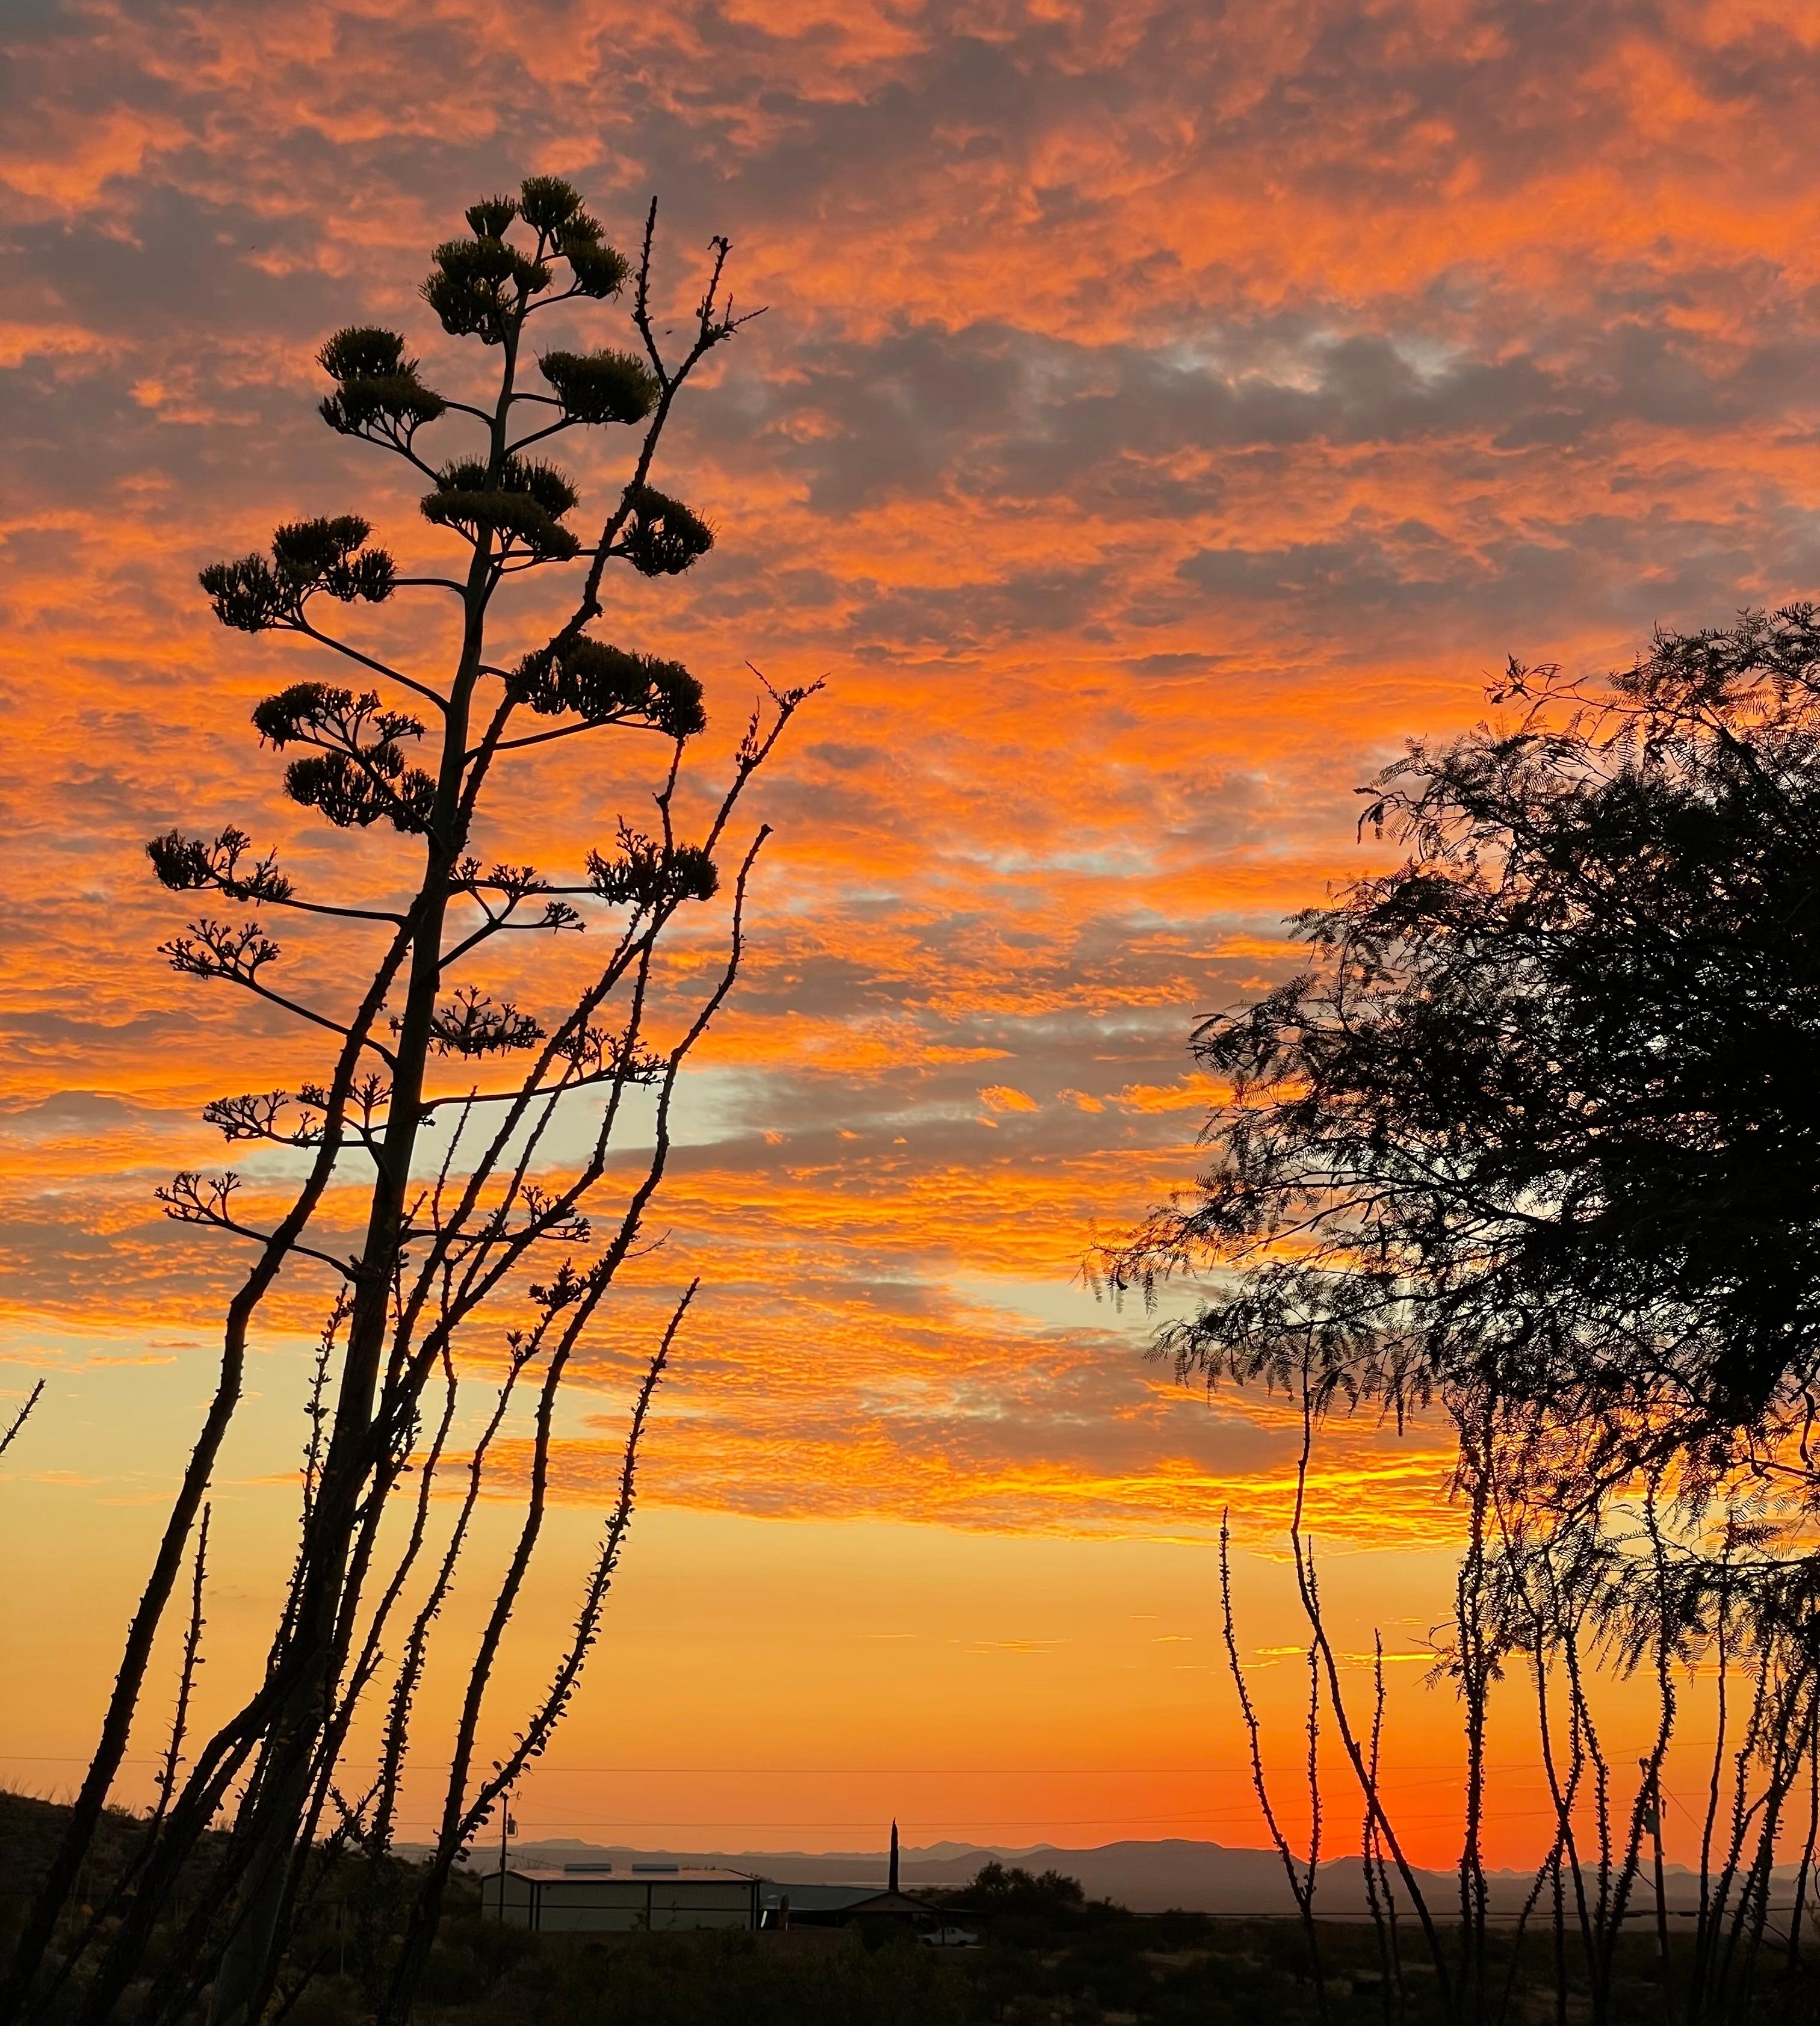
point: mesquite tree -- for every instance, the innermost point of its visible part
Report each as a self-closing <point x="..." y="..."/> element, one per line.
<point x="436" y="1099"/>
<point x="1539" y="1114"/>
<point x="1534" y="1137"/>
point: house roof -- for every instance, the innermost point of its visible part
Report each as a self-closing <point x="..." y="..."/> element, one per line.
<point x="840" y="1898"/>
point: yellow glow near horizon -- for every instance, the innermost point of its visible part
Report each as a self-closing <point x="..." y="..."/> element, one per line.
<point x="1158" y="418"/>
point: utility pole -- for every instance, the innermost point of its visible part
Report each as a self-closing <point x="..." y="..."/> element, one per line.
<point x="508" y="1829"/>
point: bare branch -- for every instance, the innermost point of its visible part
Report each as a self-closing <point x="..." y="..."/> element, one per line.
<point x="166" y="1778"/>
<point x="18" y="1421"/>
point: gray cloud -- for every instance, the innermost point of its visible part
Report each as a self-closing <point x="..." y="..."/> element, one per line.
<point x="1132" y="433"/>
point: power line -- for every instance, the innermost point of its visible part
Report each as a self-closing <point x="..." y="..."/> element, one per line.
<point x="1438" y="1770"/>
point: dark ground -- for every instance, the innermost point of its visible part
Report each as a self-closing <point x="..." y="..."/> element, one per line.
<point x="1045" y="1955"/>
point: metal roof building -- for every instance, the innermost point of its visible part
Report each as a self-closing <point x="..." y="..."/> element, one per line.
<point x="596" y="1899"/>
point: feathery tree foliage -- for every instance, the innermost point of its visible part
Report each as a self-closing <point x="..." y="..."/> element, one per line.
<point x="1535" y="1135"/>
<point x="434" y="1099"/>
<point x="1543" y="1113"/>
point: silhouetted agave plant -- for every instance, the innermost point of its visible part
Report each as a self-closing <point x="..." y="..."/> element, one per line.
<point x="439" y="1258"/>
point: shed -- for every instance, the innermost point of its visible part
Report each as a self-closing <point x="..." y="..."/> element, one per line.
<point x="804" y="1906"/>
<point x="596" y="1899"/>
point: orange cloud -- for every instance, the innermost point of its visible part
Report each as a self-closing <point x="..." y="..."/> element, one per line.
<point x="1159" y="413"/>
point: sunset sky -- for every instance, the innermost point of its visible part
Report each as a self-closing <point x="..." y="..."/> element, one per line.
<point x="1161" y="411"/>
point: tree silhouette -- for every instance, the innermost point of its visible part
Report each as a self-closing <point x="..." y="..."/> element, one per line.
<point x="1535" y="1135"/>
<point x="1543" y="1114"/>
<point x="443" y="1107"/>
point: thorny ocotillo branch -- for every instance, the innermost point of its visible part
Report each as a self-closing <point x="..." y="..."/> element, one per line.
<point x="435" y="1262"/>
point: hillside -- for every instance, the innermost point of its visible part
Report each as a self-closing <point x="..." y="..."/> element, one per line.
<point x="1147" y="1877"/>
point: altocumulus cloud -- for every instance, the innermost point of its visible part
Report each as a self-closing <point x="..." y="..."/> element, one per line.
<point x="1160" y="412"/>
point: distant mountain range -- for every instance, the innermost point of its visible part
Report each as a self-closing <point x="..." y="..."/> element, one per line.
<point x="1148" y="1877"/>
